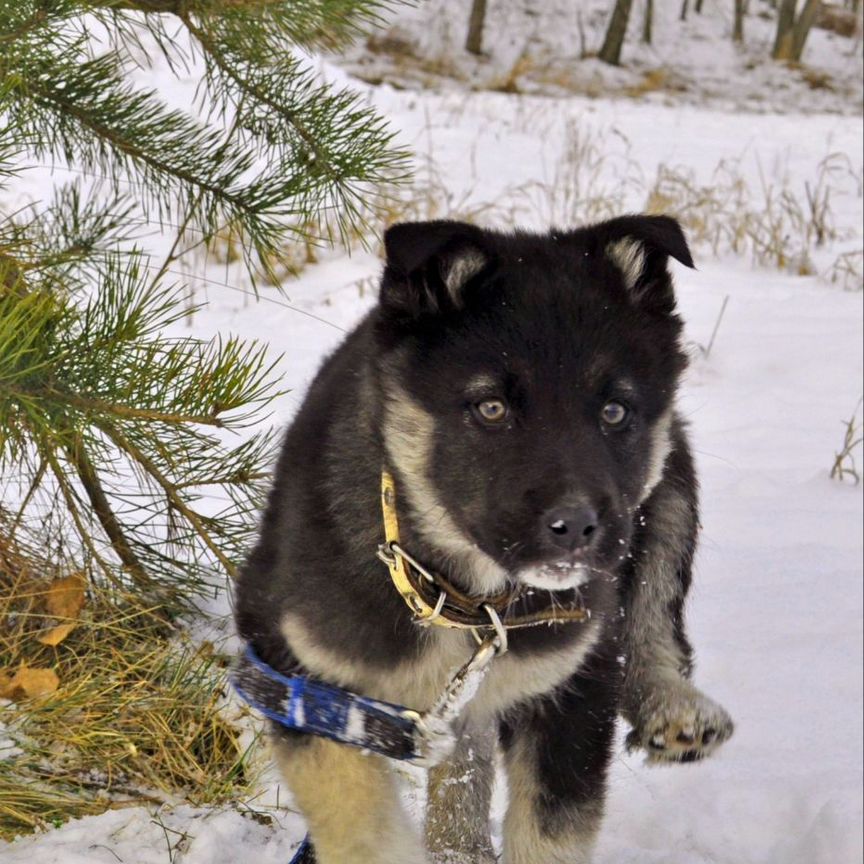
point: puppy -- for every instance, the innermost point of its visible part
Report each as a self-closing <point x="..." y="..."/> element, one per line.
<point x="520" y="389"/>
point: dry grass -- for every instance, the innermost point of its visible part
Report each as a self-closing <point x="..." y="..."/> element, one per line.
<point x="848" y="270"/>
<point x="135" y="717"/>
<point x="774" y="222"/>
<point x="653" y="81"/>
<point x="778" y="226"/>
<point x="844" y="468"/>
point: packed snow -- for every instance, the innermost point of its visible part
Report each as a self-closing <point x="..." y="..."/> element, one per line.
<point x="776" y="610"/>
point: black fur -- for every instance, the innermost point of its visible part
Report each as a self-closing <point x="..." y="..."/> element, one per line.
<point x="552" y="325"/>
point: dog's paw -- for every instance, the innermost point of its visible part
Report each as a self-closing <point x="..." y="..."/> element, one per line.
<point x="678" y="723"/>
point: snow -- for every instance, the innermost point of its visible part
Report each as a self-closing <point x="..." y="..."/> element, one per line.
<point x="550" y="48"/>
<point x="776" y="609"/>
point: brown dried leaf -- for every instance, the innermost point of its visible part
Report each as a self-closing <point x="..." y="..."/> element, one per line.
<point x="57" y="634"/>
<point x="65" y="597"/>
<point x="27" y="683"/>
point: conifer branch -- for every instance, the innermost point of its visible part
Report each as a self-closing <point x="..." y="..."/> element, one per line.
<point x="103" y="413"/>
<point x="89" y="478"/>
<point x="176" y="500"/>
<point x="129" y="412"/>
<point x="84" y="535"/>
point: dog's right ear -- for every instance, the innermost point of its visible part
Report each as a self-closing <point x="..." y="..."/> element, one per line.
<point x="429" y="265"/>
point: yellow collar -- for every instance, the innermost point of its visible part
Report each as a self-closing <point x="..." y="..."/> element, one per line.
<point x="434" y="600"/>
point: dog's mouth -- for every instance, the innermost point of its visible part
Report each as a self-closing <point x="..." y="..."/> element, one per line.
<point x="561" y="575"/>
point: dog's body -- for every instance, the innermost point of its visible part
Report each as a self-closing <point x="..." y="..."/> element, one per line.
<point x="520" y="389"/>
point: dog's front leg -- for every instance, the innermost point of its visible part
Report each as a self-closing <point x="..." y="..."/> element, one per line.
<point x="460" y="791"/>
<point x="556" y="752"/>
<point x="350" y="802"/>
<point x="671" y="719"/>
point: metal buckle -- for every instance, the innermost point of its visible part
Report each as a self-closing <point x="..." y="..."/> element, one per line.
<point x="502" y="645"/>
<point x="386" y="554"/>
<point x="396" y="549"/>
<point x="436" y="612"/>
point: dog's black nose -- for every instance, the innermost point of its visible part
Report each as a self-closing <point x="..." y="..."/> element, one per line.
<point x="571" y="528"/>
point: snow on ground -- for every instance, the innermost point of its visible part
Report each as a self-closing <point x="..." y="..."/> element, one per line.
<point x="550" y="48"/>
<point x="776" y="611"/>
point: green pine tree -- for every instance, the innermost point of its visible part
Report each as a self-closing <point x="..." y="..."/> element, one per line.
<point x="105" y="420"/>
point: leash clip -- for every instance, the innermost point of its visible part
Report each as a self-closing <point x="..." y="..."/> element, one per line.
<point x="434" y="736"/>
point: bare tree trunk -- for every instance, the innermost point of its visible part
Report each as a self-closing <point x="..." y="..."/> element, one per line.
<point x="802" y="28"/>
<point x="698" y="8"/>
<point x="738" y="29"/>
<point x="684" y="10"/>
<point x="648" y="22"/>
<point x="785" y="27"/>
<point x="583" y="42"/>
<point x="792" y="32"/>
<point x="474" y="42"/>
<point x="617" y="30"/>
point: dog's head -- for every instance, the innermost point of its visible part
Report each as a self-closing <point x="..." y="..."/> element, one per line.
<point x="528" y="384"/>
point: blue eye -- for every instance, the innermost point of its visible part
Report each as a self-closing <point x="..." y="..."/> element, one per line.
<point x="614" y="413"/>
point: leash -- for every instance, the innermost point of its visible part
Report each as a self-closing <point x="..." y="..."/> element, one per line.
<point x="309" y="706"/>
<point x="305" y="705"/>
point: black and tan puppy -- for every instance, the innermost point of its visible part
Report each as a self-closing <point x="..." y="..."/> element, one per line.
<point x="520" y="388"/>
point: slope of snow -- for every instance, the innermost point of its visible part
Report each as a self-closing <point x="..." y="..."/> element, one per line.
<point x="550" y="48"/>
<point x="776" y="610"/>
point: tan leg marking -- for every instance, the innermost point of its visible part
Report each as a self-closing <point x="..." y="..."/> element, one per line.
<point x="527" y="837"/>
<point x="350" y="802"/>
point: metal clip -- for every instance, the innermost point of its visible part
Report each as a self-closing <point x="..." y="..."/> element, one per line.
<point x="386" y="554"/>
<point x="435" y="737"/>
<point x="436" y="612"/>
<point x="396" y="549"/>
<point x="502" y="645"/>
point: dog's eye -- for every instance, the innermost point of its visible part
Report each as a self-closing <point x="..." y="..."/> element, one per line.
<point x="614" y="413"/>
<point x="491" y="410"/>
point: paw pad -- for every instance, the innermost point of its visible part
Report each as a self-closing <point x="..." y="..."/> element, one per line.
<point x="680" y="724"/>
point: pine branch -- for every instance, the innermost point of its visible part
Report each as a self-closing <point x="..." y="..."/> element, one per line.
<point x="89" y="478"/>
<point x="84" y="534"/>
<point x="171" y="492"/>
<point x="105" y="416"/>
<point x="129" y="412"/>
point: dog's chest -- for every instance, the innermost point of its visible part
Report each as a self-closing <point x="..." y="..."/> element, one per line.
<point x="417" y="681"/>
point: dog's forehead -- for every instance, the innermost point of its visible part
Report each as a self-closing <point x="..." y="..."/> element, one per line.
<point x="552" y="317"/>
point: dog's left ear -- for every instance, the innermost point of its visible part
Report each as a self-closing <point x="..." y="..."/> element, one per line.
<point x="640" y="247"/>
<point x="429" y="264"/>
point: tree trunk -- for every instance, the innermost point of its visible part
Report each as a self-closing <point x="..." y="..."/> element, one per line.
<point x="648" y="23"/>
<point x="802" y="28"/>
<point x="698" y="7"/>
<point x="738" y="29"/>
<point x="785" y="27"/>
<point x="684" y="10"/>
<point x="474" y="42"/>
<point x="617" y="30"/>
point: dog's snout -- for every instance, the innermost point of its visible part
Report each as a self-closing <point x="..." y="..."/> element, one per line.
<point x="571" y="528"/>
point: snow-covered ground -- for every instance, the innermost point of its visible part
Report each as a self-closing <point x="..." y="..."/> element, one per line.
<point x="551" y="48"/>
<point x="776" y="610"/>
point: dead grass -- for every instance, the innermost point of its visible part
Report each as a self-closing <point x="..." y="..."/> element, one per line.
<point x="135" y="718"/>
<point x="848" y="270"/>
<point x="776" y="224"/>
<point x="653" y="81"/>
<point x="845" y="468"/>
<point x="816" y="79"/>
